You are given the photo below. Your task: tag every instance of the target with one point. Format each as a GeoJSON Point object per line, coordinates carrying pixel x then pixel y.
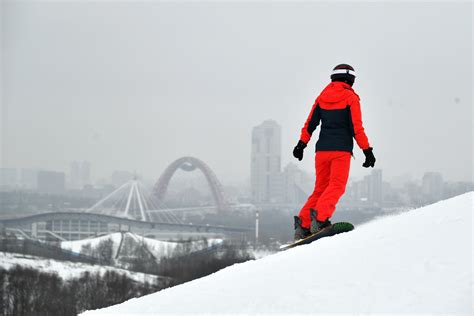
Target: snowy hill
{"type": "Point", "coordinates": [416, 262]}
{"type": "Point", "coordinates": [158, 248]}
{"type": "Point", "coordinates": [66, 269]}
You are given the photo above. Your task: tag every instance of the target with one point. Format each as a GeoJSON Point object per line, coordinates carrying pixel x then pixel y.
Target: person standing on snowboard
{"type": "Point", "coordinates": [337, 108]}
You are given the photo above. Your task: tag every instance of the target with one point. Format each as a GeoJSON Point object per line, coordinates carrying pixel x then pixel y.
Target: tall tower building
{"type": "Point", "coordinates": [80, 174]}
{"type": "Point", "coordinates": [74, 175]}
{"type": "Point", "coordinates": [85, 174]}
{"type": "Point", "coordinates": [266, 177]}
{"type": "Point", "coordinates": [432, 186]}
{"type": "Point", "coordinates": [376, 187]}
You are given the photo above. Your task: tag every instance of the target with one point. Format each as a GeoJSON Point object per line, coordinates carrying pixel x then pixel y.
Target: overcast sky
{"type": "Point", "coordinates": [135, 85]}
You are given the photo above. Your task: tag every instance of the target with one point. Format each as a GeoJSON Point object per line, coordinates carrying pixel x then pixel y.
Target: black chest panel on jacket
{"type": "Point", "coordinates": [337, 131]}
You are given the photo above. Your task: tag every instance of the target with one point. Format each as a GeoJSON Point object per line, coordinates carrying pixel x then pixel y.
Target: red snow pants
{"type": "Point", "coordinates": [332, 172]}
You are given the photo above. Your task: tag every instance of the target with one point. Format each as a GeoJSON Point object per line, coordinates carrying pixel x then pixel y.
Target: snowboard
{"type": "Point", "coordinates": [333, 229]}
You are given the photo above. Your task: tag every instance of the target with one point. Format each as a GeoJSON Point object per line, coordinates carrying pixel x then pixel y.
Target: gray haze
{"type": "Point", "coordinates": [135, 85]}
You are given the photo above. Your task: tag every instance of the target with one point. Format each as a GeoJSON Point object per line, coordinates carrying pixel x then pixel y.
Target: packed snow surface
{"type": "Point", "coordinates": [416, 262]}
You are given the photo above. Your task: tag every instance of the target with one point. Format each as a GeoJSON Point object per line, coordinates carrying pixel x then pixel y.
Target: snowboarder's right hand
{"type": "Point", "coordinates": [369, 158]}
{"type": "Point", "coordinates": [298, 150]}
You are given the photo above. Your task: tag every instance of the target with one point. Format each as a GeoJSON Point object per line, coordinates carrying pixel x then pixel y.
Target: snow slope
{"type": "Point", "coordinates": [76, 245]}
{"type": "Point", "coordinates": [159, 248]}
{"type": "Point", "coordinates": [66, 269]}
{"type": "Point", "coordinates": [416, 262]}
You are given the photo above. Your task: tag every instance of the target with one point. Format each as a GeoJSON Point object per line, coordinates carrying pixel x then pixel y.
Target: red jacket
{"type": "Point", "coordinates": [338, 110]}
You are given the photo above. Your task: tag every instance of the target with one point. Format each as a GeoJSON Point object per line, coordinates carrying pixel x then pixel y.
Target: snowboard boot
{"type": "Point", "coordinates": [316, 225]}
{"type": "Point", "coordinates": [300, 232]}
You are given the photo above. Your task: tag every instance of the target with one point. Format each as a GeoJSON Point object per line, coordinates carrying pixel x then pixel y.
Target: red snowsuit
{"type": "Point", "coordinates": [338, 110]}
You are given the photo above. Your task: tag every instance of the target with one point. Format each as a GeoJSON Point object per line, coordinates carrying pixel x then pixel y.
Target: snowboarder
{"type": "Point", "coordinates": [338, 110]}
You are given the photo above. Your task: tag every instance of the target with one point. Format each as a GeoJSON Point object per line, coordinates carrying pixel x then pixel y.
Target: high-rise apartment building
{"type": "Point", "coordinates": [432, 186]}
{"type": "Point", "coordinates": [376, 187]}
{"type": "Point", "coordinates": [28, 178]}
{"type": "Point", "coordinates": [85, 174]}
{"type": "Point", "coordinates": [80, 174]}
{"type": "Point", "coordinates": [266, 178]}
{"type": "Point", "coordinates": [368, 191]}
{"type": "Point", "coordinates": [8, 178]}
{"type": "Point", "coordinates": [298, 184]}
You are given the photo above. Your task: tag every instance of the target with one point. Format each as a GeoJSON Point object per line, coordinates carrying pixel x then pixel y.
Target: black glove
{"type": "Point", "coordinates": [298, 151]}
{"type": "Point", "coordinates": [369, 158]}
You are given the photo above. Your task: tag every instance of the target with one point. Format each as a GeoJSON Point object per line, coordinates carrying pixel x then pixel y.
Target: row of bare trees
{"type": "Point", "coordinates": [26, 291]}
{"type": "Point", "coordinates": [183, 266]}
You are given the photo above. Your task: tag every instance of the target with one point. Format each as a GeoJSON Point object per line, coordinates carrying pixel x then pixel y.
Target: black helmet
{"type": "Point", "coordinates": [344, 73]}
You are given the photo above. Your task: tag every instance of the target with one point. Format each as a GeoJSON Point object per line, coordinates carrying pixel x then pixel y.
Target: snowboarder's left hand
{"type": "Point", "coordinates": [369, 158]}
{"type": "Point", "coordinates": [298, 150]}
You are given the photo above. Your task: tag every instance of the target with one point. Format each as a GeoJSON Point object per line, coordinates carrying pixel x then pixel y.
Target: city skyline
{"type": "Point", "coordinates": [292, 186]}
{"type": "Point", "coordinates": [26, 177]}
